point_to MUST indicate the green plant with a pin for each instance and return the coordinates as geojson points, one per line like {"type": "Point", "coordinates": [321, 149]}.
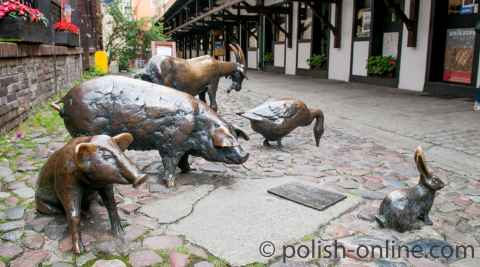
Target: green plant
{"type": "Point", "coordinates": [381, 65]}
{"type": "Point", "coordinates": [129, 37]}
{"type": "Point", "coordinates": [317, 61]}
{"type": "Point", "coordinates": [268, 57]}
{"type": "Point", "coordinates": [91, 73]}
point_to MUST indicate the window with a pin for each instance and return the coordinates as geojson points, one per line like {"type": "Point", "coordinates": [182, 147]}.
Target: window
{"type": "Point", "coordinates": [280, 19]}
{"type": "Point", "coordinates": [363, 18]}
{"type": "Point", "coordinates": [462, 7]}
{"type": "Point", "coordinates": [55, 12]}
{"type": "Point", "coordinates": [305, 25]}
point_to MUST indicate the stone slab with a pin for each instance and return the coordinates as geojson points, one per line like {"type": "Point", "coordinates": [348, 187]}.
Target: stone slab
{"type": "Point", "coordinates": [171, 209]}
{"type": "Point", "coordinates": [232, 222]}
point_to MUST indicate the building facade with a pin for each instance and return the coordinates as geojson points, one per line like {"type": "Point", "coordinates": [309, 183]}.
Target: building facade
{"type": "Point", "coordinates": [426, 45]}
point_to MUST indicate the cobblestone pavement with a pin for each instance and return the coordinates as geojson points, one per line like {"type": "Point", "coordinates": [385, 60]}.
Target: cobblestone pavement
{"type": "Point", "coordinates": [346, 162]}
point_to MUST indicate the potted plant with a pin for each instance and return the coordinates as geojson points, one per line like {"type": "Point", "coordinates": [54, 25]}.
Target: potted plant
{"type": "Point", "coordinates": [381, 66]}
{"type": "Point", "coordinates": [22, 23]}
{"type": "Point", "coordinates": [66, 33]}
{"type": "Point", "coordinates": [318, 66]}
{"type": "Point", "coordinates": [317, 61]}
{"type": "Point", "coordinates": [268, 61]}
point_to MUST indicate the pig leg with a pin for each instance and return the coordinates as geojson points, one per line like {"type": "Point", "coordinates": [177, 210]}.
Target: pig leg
{"type": "Point", "coordinates": [266, 143]}
{"type": "Point", "coordinates": [170, 163]}
{"type": "Point", "coordinates": [183, 163]}
{"type": "Point", "coordinates": [107, 196]}
{"type": "Point", "coordinates": [72, 201]}
{"type": "Point", "coordinates": [47, 208]}
{"type": "Point", "coordinates": [212, 95]}
{"type": "Point", "coordinates": [203, 96]}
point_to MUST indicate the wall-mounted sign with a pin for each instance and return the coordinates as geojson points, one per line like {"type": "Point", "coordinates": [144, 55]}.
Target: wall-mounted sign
{"type": "Point", "coordinates": [218, 48]}
{"type": "Point", "coordinates": [459, 55]}
{"type": "Point", "coordinates": [390, 44]}
{"type": "Point", "coordinates": [163, 48]}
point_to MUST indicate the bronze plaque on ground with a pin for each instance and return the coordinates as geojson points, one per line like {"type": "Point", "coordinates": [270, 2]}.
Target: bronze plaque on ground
{"type": "Point", "coordinates": [309, 196]}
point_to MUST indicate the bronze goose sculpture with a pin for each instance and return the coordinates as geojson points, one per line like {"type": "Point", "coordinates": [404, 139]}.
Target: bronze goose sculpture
{"type": "Point", "coordinates": [276, 118]}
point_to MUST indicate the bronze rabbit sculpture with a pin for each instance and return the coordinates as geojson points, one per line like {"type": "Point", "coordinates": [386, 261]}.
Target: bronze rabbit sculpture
{"type": "Point", "coordinates": [408, 209]}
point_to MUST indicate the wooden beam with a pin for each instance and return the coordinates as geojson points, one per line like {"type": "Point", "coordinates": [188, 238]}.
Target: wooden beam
{"type": "Point", "coordinates": [337, 41]}
{"type": "Point", "coordinates": [411, 22]}
{"type": "Point", "coordinates": [290, 25]}
{"type": "Point", "coordinates": [322, 18]}
{"type": "Point", "coordinates": [226, 4]}
{"type": "Point", "coordinates": [261, 9]}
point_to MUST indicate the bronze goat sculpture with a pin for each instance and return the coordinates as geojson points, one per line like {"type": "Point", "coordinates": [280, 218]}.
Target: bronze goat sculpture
{"type": "Point", "coordinates": [196, 76]}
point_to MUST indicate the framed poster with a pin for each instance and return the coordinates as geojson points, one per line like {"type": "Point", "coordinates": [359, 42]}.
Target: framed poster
{"type": "Point", "coordinates": [390, 44]}
{"type": "Point", "coordinates": [459, 52]}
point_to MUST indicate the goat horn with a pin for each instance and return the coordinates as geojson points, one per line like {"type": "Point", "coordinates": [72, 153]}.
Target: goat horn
{"type": "Point", "coordinates": [242, 56]}
{"type": "Point", "coordinates": [235, 51]}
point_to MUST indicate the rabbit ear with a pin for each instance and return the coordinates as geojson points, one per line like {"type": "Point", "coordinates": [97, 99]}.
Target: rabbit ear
{"type": "Point", "coordinates": [421, 165]}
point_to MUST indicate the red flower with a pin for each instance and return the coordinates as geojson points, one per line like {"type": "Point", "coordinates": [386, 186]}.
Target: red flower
{"type": "Point", "coordinates": [16, 8]}
{"type": "Point", "coordinates": [66, 26]}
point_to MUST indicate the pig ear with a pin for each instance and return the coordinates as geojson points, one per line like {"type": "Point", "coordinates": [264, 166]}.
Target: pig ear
{"type": "Point", "coordinates": [123, 140]}
{"type": "Point", "coordinates": [241, 133]}
{"type": "Point", "coordinates": [221, 139]}
{"type": "Point", "coordinates": [84, 153]}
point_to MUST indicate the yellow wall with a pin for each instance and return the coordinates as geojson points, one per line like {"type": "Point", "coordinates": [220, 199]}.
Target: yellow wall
{"type": "Point", "coordinates": [143, 9]}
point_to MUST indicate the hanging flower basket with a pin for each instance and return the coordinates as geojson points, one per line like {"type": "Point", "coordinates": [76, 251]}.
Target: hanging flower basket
{"type": "Point", "coordinates": [67, 34]}
{"type": "Point", "coordinates": [21, 23]}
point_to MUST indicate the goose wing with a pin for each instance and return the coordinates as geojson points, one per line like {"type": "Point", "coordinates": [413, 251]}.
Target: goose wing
{"type": "Point", "coordinates": [274, 111]}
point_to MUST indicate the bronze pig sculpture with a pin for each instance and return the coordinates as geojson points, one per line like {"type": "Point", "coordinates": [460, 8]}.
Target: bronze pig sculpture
{"type": "Point", "coordinates": [85, 165]}
{"type": "Point", "coordinates": [406, 209]}
{"type": "Point", "coordinates": [276, 118]}
{"type": "Point", "coordinates": [196, 76]}
{"type": "Point", "coordinates": [159, 118]}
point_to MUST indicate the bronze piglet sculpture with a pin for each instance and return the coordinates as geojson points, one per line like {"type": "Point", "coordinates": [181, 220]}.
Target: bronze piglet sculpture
{"type": "Point", "coordinates": [276, 118]}
{"type": "Point", "coordinates": [196, 76]}
{"type": "Point", "coordinates": [408, 209]}
{"type": "Point", "coordinates": [82, 167]}
{"type": "Point", "coordinates": [159, 118]}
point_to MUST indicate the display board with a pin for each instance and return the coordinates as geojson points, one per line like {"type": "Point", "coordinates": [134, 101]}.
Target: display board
{"type": "Point", "coordinates": [459, 52]}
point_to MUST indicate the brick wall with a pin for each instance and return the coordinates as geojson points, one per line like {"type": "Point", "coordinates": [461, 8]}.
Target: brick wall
{"type": "Point", "coordinates": [29, 74]}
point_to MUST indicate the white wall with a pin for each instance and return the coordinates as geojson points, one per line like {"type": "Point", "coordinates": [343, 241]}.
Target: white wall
{"type": "Point", "coordinates": [339, 58]}
{"type": "Point", "coordinates": [252, 59]}
{"type": "Point", "coordinates": [360, 58]}
{"type": "Point", "coordinates": [279, 55]}
{"type": "Point", "coordinates": [413, 65]}
{"type": "Point", "coordinates": [304, 50]}
{"type": "Point", "coordinates": [291, 53]}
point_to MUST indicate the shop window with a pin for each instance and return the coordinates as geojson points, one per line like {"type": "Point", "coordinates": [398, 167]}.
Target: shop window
{"type": "Point", "coordinates": [305, 22]}
{"type": "Point", "coordinates": [363, 18]}
{"type": "Point", "coordinates": [252, 42]}
{"type": "Point", "coordinates": [281, 19]}
{"type": "Point", "coordinates": [459, 54]}
{"type": "Point", "coordinates": [462, 7]}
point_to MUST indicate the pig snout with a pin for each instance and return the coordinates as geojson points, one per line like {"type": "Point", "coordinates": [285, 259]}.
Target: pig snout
{"type": "Point", "coordinates": [236, 155]}
{"type": "Point", "coordinates": [131, 173]}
